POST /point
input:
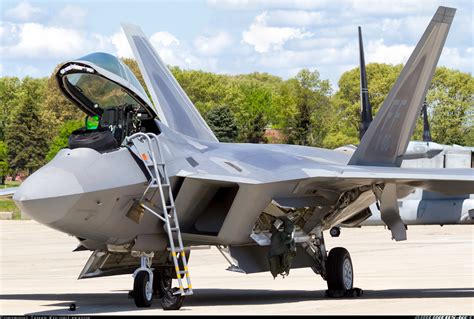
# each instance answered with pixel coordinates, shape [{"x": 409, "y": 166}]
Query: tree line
[{"x": 36, "y": 119}]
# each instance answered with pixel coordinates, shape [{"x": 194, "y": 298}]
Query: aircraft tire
[
  {"x": 340, "y": 274},
  {"x": 159, "y": 284},
  {"x": 170, "y": 301},
  {"x": 142, "y": 290}
]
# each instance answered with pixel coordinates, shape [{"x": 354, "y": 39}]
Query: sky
[{"x": 230, "y": 36}]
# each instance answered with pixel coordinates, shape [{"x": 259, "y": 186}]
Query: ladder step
[
  {"x": 174, "y": 228},
  {"x": 158, "y": 185},
  {"x": 187, "y": 292},
  {"x": 169, "y": 206},
  {"x": 178, "y": 250},
  {"x": 157, "y": 163}
]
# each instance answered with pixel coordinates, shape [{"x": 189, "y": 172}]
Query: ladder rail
[
  {"x": 175, "y": 217},
  {"x": 157, "y": 183}
]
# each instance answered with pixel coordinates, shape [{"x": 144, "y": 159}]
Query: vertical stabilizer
[
  {"x": 365, "y": 108},
  {"x": 387, "y": 138},
  {"x": 174, "y": 107}
]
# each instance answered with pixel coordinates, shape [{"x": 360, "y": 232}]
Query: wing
[
  {"x": 175, "y": 109},
  {"x": 8, "y": 192}
]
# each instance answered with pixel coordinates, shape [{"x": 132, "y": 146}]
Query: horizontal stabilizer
[{"x": 387, "y": 138}]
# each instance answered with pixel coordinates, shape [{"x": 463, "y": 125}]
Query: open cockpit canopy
[{"x": 100, "y": 81}]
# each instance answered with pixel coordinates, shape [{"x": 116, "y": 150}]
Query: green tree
[
  {"x": 61, "y": 140},
  {"x": 308, "y": 125},
  {"x": 56, "y": 108},
  {"x": 3, "y": 162},
  {"x": 346, "y": 102},
  {"x": 256, "y": 130},
  {"x": 254, "y": 112},
  {"x": 9, "y": 87},
  {"x": 26, "y": 135},
  {"x": 451, "y": 103},
  {"x": 222, "y": 122}
]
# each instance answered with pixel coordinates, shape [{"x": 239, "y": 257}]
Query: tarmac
[{"x": 431, "y": 273}]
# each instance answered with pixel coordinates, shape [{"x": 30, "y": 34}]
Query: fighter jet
[{"x": 143, "y": 184}]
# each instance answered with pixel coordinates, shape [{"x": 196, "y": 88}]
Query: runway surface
[{"x": 430, "y": 273}]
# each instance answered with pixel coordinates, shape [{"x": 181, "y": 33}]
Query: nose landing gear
[
  {"x": 159, "y": 283},
  {"x": 143, "y": 282}
]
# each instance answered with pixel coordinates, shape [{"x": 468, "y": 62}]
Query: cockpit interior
[{"x": 115, "y": 103}]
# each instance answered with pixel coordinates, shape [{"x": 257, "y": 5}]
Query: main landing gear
[
  {"x": 340, "y": 274},
  {"x": 335, "y": 267},
  {"x": 148, "y": 283}
]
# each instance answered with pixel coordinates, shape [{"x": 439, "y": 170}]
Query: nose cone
[{"x": 48, "y": 194}]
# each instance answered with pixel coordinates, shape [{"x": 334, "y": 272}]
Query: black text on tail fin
[{"x": 387, "y": 138}]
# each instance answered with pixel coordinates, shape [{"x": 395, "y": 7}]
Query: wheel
[
  {"x": 170, "y": 301},
  {"x": 339, "y": 271},
  {"x": 161, "y": 282},
  {"x": 142, "y": 290},
  {"x": 335, "y": 231}
]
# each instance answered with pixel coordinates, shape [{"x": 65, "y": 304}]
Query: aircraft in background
[
  {"x": 421, "y": 207},
  {"x": 127, "y": 177}
]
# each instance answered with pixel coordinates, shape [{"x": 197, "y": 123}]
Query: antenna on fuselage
[{"x": 365, "y": 108}]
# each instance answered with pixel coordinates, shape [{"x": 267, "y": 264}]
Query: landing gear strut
[
  {"x": 335, "y": 267},
  {"x": 143, "y": 282},
  {"x": 159, "y": 283}
]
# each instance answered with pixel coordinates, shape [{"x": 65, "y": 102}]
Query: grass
[
  {"x": 10, "y": 184},
  {"x": 8, "y": 205}
]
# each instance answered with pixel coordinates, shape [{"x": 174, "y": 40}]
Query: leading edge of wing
[{"x": 445, "y": 180}]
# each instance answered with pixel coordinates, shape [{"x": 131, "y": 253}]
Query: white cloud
[
  {"x": 212, "y": 45},
  {"x": 377, "y": 51},
  {"x": 458, "y": 59},
  {"x": 23, "y": 12},
  {"x": 173, "y": 52},
  {"x": 381, "y": 7},
  {"x": 71, "y": 15},
  {"x": 34, "y": 40},
  {"x": 258, "y": 4},
  {"x": 299, "y": 18},
  {"x": 164, "y": 39},
  {"x": 120, "y": 42},
  {"x": 264, "y": 38}
]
